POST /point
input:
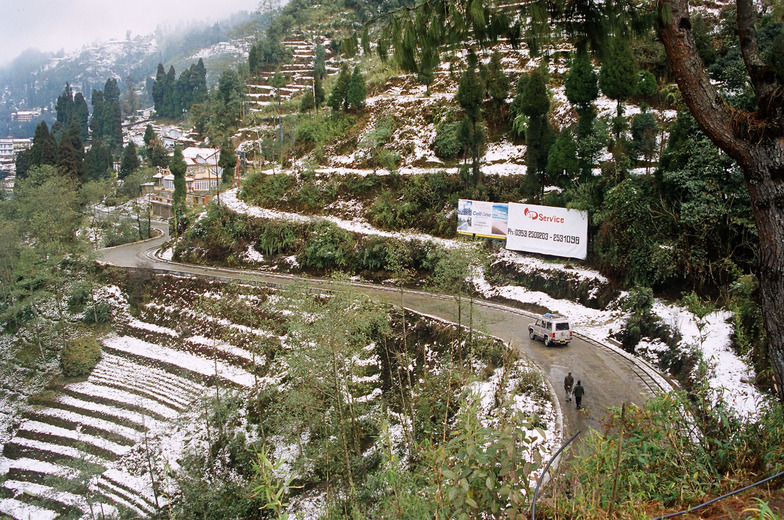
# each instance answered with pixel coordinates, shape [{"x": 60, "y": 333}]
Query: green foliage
[
  {"x": 337, "y": 97},
  {"x": 644, "y": 130},
  {"x": 562, "y": 163},
  {"x": 129, "y": 162},
  {"x": 356, "y": 90},
  {"x": 80, "y": 356},
  {"x": 329, "y": 247},
  {"x": 675, "y": 451},
  {"x": 447, "y": 144},
  {"x": 618, "y": 76},
  {"x": 481, "y": 470},
  {"x": 178, "y": 167}
]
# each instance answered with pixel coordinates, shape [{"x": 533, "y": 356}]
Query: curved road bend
[{"x": 610, "y": 377}]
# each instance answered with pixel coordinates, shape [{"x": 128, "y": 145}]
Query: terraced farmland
[{"x": 76, "y": 449}]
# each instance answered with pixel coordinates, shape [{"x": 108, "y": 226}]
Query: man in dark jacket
[
  {"x": 579, "y": 392},
  {"x": 568, "y": 384}
]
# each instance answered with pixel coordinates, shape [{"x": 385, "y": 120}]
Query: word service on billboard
[
  {"x": 547, "y": 230},
  {"x": 482, "y": 219}
]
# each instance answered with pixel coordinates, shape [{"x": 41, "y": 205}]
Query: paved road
[{"x": 610, "y": 377}]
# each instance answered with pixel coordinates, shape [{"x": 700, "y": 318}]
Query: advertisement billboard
[
  {"x": 481, "y": 218},
  {"x": 547, "y": 230}
]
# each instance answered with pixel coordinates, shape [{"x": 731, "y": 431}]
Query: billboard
[
  {"x": 481, "y": 218},
  {"x": 547, "y": 230}
]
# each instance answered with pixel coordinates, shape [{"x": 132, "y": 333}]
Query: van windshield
[{"x": 562, "y": 326}]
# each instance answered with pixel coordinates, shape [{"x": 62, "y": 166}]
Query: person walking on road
[
  {"x": 568, "y": 384},
  {"x": 579, "y": 392}
]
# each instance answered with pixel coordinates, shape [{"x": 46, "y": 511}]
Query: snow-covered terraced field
[{"x": 75, "y": 451}]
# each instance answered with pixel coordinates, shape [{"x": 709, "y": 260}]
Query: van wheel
[
  {"x": 531, "y": 334},
  {"x": 546, "y": 341}
]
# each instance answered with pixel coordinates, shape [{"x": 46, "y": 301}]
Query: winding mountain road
[{"x": 610, "y": 376}]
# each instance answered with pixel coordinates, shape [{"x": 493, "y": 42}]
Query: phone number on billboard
[{"x": 541, "y": 235}]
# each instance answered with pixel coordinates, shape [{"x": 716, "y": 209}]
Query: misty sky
[{"x": 51, "y": 25}]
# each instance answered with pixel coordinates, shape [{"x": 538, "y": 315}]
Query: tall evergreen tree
[
  {"x": 81, "y": 116},
  {"x": 129, "y": 162},
  {"x": 337, "y": 98},
  {"x": 356, "y": 91},
  {"x": 65, "y": 106},
  {"x": 582, "y": 88},
  {"x": 227, "y": 162},
  {"x": 319, "y": 62},
  {"x": 158, "y": 88},
  {"x": 539, "y": 135},
  {"x": 470, "y": 94},
  {"x": 67, "y": 161},
  {"x": 178, "y": 168},
  {"x": 96, "y": 123},
  {"x": 562, "y": 163},
  {"x": 497, "y": 80},
  {"x": 149, "y": 137},
  {"x": 44, "y": 148},
  {"x": 318, "y": 92},
  {"x": 618, "y": 76},
  {"x": 98, "y": 162}
]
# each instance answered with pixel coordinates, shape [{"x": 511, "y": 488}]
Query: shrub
[
  {"x": 80, "y": 356},
  {"x": 329, "y": 247},
  {"x": 100, "y": 313},
  {"x": 79, "y": 297},
  {"x": 447, "y": 144}
]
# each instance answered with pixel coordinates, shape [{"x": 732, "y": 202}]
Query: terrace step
[
  {"x": 47, "y": 497},
  {"x": 119, "y": 399},
  {"x": 22, "y": 447},
  {"x": 74, "y": 421},
  {"x": 128, "y": 495},
  {"x": 18, "y": 510},
  {"x": 120, "y": 416},
  {"x": 104, "y": 452},
  {"x": 121, "y": 502},
  {"x": 159, "y": 378}
]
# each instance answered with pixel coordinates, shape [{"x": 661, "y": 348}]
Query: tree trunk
[{"x": 754, "y": 139}]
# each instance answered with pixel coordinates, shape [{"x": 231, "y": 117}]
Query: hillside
[{"x": 196, "y": 398}]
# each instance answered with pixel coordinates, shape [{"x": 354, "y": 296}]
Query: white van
[{"x": 554, "y": 329}]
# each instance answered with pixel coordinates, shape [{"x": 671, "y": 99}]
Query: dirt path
[{"x": 610, "y": 377}]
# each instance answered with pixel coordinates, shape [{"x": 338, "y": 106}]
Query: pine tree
[
  {"x": 497, "y": 80},
  {"x": 562, "y": 163},
  {"x": 65, "y": 106},
  {"x": 130, "y": 161},
  {"x": 81, "y": 116},
  {"x": 178, "y": 167},
  {"x": 98, "y": 162},
  {"x": 96, "y": 123},
  {"x": 539, "y": 136},
  {"x": 308, "y": 102},
  {"x": 149, "y": 137},
  {"x": 67, "y": 162},
  {"x": 470, "y": 94},
  {"x": 158, "y": 88},
  {"x": 44, "y": 148},
  {"x": 318, "y": 92},
  {"x": 356, "y": 91},
  {"x": 618, "y": 76},
  {"x": 582, "y": 88},
  {"x": 319, "y": 63},
  {"x": 227, "y": 161},
  {"x": 337, "y": 98},
  {"x": 74, "y": 134}
]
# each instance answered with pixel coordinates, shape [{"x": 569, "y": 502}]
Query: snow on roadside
[
  {"x": 360, "y": 226},
  {"x": 728, "y": 375}
]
